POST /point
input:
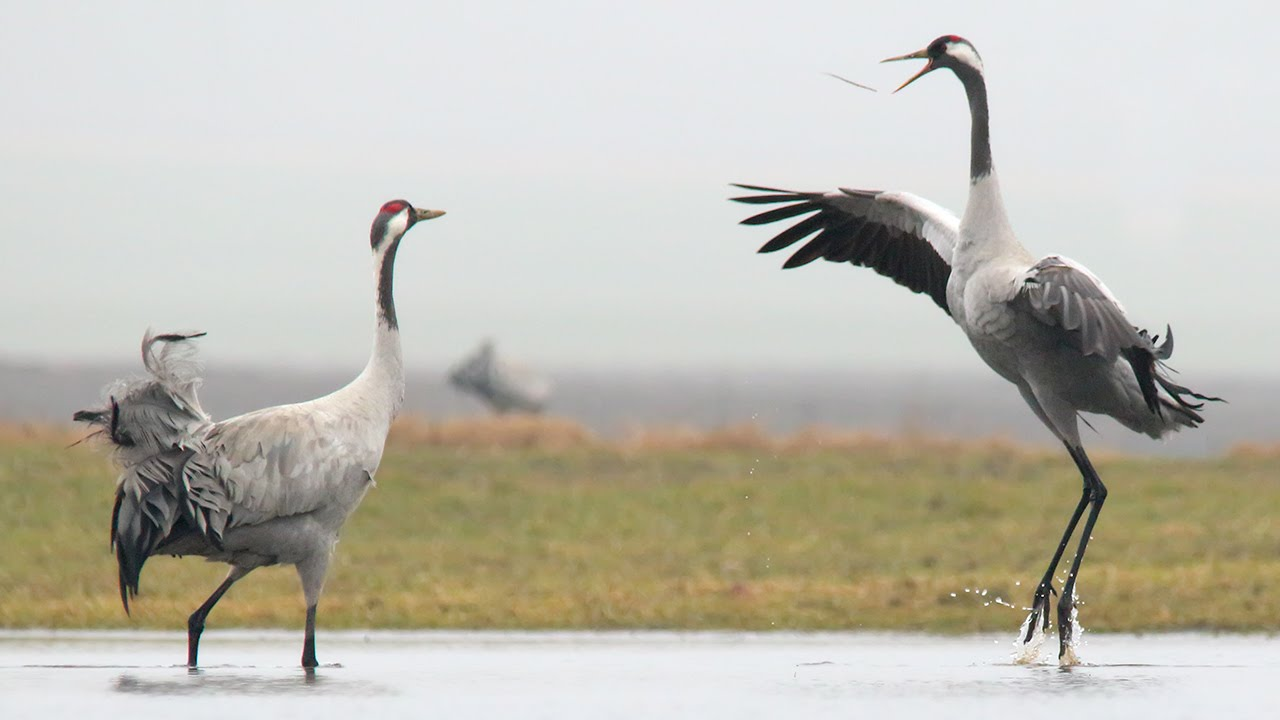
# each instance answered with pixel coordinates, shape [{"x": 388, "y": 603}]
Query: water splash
[
  {"x": 1028, "y": 653},
  {"x": 1069, "y": 657},
  {"x": 980, "y": 595}
]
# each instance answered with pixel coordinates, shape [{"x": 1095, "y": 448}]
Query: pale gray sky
[{"x": 217, "y": 165}]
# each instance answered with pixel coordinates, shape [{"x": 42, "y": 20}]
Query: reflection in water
[
  {"x": 206, "y": 682},
  {"x": 584, "y": 676},
  {"x": 988, "y": 681}
]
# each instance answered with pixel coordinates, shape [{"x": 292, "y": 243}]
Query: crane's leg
[
  {"x": 309, "y": 640},
  {"x": 1040, "y": 604},
  {"x": 312, "y": 571},
  {"x": 1060, "y": 418},
  {"x": 1097, "y": 495},
  {"x": 195, "y": 623}
]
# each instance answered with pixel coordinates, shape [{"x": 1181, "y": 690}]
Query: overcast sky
[{"x": 216, "y": 166}]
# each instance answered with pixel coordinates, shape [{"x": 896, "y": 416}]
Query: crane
[
  {"x": 1048, "y": 325},
  {"x": 502, "y": 386},
  {"x": 273, "y": 486}
]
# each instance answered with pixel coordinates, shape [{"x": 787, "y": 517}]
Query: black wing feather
[{"x": 905, "y": 258}]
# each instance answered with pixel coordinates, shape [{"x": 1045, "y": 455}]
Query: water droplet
[{"x": 953, "y": 594}]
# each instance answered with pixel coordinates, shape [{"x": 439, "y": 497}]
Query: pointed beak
[
  {"x": 427, "y": 214},
  {"x": 917, "y": 55}
]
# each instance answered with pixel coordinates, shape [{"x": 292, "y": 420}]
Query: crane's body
[
  {"x": 990, "y": 273},
  {"x": 269, "y": 487},
  {"x": 1049, "y": 326}
]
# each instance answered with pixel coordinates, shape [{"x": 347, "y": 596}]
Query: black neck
[
  {"x": 980, "y": 138},
  {"x": 386, "y": 300}
]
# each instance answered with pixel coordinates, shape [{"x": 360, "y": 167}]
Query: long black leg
[
  {"x": 309, "y": 641},
  {"x": 195, "y": 623},
  {"x": 1097, "y": 496},
  {"x": 1040, "y": 604}
]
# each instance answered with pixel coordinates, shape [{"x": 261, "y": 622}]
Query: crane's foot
[
  {"x": 1039, "y": 617},
  {"x": 195, "y": 627},
  {"x": 1035, "y": 627},
  {"x": 1067, "y": 628},
  {"x": 309, "y": 641}
]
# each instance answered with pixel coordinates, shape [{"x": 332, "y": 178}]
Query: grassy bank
[{"x": 537, "y": 525}]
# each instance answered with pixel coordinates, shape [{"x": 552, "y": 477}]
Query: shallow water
[{"x": 625, "y": 675}]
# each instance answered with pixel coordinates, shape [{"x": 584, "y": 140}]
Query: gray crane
[
  {"x": 269, "y": 487},
  {"x": 1049, "y": 326},
  {"x": 503, "y": 387}
]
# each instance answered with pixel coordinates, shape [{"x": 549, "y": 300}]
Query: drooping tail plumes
[
  {"x": 1153, "y": 375},
  {"x": 166, "y": 498},
  {"x": 149, "y": 415},
  {"x": 165, "y": 491}
]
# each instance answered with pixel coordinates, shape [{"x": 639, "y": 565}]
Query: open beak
[
  {"x": 917, "y": 55},
  {"x": 427, "y": 214}
]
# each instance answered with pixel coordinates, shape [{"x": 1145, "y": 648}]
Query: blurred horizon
[
  {"x": 181, "y": 167},
  {"x": 613, "y": 403}
]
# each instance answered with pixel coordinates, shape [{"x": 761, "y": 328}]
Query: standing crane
[
  {"x": 1048, "y": 326},
  {"x": 269, "y": 487}
]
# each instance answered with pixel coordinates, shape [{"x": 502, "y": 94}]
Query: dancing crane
[{"x": 1049, "y": 326}]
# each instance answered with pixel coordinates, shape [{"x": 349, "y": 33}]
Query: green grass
[{"x": 592, "y": 536}]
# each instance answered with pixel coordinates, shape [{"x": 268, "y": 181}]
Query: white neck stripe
[{"x": 964, "y": 53}]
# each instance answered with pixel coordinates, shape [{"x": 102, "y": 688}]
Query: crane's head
[
  {"x": 948, "y": 51},
  {"x": 394, "y": 220}
]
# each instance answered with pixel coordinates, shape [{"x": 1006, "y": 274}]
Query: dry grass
[
  {"x": 527, "y": 522},
  {"x": 17, "y": 433},
  {"x": 542, "y": 432},
  {"x": 1255, "y": 451},
  {"x": 517, "y": 432}
]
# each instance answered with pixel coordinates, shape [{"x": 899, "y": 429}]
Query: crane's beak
[
  {"x": 427, "y": 214},
  {"x": 917, "y": 55}
]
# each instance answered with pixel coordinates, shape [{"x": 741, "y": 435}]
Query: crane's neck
[
  {"x": 381, "y": 384},
  {"x": 985, "y": 231},
  {"x": 980, "y": 136}
]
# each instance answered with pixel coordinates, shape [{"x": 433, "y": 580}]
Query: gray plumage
[
  {"x": 1048, "y": 326},
  {"x": 503, "y": 387},
  {"x": 269, "y": 487}
]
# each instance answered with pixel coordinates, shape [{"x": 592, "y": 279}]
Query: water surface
[{"x": 629, "y": 675}]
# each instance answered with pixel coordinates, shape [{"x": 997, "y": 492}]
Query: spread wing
[{"x": 899, "y": 235}]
